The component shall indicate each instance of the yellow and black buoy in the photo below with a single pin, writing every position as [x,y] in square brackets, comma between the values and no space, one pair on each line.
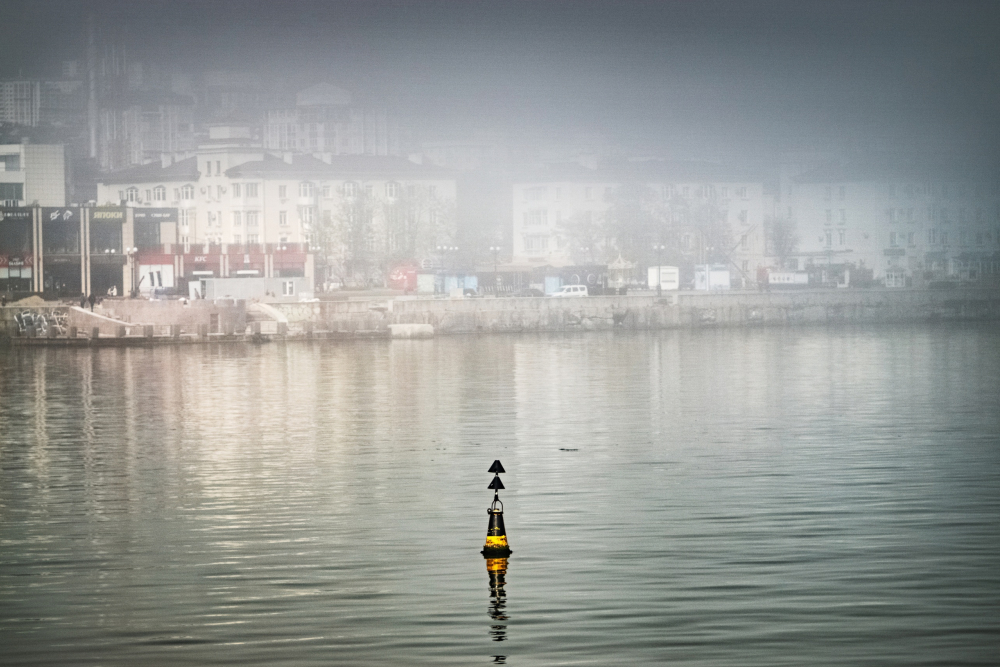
[496,535]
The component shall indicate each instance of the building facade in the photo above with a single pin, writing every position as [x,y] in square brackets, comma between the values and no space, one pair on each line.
[647,212]
[906,226]
[32,174]
[356,213]
[325,119]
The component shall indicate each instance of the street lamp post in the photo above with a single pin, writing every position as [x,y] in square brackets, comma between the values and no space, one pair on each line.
[659,248]
[134,291]
[495,249]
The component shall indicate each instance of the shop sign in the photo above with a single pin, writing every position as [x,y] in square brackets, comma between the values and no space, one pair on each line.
[113,214]
[15,214]
[154,214]
[61,214]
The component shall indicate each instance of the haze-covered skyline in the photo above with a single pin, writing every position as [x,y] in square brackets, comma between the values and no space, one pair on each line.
[905,75]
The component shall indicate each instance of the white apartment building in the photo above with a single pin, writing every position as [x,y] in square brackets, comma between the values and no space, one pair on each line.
[676,195]
[907,225]
[32,174]
[232,192]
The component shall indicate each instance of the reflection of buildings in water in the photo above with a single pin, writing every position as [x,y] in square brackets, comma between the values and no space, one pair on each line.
[497,570]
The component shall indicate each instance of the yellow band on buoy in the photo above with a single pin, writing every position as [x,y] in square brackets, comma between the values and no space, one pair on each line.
[496,541]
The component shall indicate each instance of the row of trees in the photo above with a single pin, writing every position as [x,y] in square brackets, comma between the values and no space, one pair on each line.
[362,238]
[644,228]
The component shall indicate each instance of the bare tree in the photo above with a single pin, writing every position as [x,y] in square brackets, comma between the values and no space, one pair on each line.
[782,239]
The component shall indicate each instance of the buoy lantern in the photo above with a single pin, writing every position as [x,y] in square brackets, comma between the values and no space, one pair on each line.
[496,534]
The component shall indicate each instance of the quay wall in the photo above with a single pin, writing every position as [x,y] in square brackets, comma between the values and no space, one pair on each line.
[471,315]
[673,310]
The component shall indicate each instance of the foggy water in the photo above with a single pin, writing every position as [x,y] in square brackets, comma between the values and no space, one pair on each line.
[779,497]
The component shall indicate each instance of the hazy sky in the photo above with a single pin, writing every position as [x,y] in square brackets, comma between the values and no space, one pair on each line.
[747,72]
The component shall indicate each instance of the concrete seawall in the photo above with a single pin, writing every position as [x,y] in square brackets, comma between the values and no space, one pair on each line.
[675,310]
[457,316]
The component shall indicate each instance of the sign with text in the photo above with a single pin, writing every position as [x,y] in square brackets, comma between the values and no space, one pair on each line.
[154,214]
[116,214]
[15,214]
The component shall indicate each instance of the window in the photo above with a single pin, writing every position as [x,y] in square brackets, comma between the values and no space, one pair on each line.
[283,239]
[187,192]
[536,217]
[251,189]
[893,240]
[843,216]
[208,167]
[686,191]
[744,216]
[218,191]
[369,190]
[283,218]
[909,238]
[236,191]
[326,190]
[842,236]
[253,238]
[392,190]
[132,194]
[307,215]
[932,236]
[159,193]
[253,219]
[237,239]
[944,238]
[149,195]
[742,191]
[306,189]
[218,167]
[186,217]
[237,218]
[536,243]
[283,191]
[829,238]
[350,189]
[288,288]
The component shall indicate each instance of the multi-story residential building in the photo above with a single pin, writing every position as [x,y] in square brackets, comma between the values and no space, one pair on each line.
[357,212]
[908,225]
[325,119]
[645,210]
[143,126]
[32,174]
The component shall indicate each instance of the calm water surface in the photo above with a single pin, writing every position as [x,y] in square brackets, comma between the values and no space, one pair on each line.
[780,497]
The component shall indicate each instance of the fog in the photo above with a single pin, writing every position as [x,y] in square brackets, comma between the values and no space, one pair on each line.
[694,79]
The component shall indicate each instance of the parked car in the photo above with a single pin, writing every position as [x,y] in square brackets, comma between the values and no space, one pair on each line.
[572,290]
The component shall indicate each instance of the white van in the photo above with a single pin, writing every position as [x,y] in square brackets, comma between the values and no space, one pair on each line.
[572,290]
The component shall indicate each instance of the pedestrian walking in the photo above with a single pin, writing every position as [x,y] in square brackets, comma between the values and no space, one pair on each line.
[92,299]
[83,301]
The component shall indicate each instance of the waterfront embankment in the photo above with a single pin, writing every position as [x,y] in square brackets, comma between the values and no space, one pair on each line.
[225,319]
[669,311]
